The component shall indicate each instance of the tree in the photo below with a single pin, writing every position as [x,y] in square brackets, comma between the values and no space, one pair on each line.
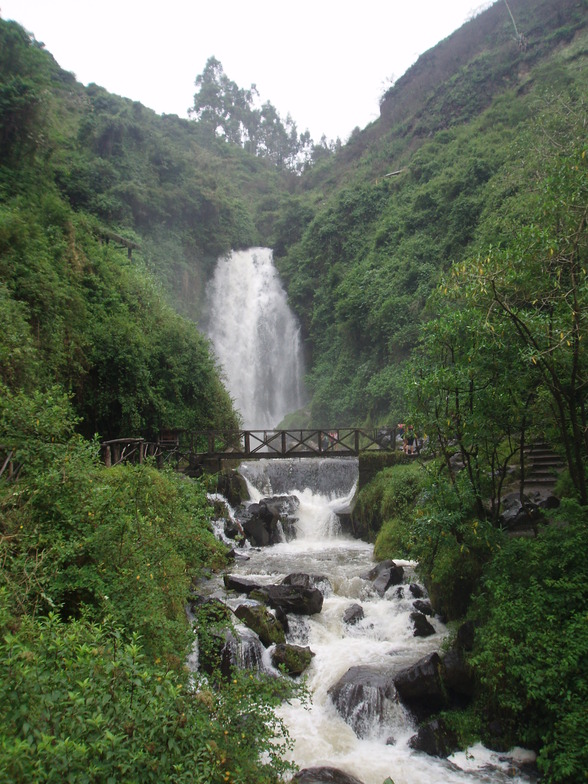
[534,289]
[467,399]
[226,110]
[221,106]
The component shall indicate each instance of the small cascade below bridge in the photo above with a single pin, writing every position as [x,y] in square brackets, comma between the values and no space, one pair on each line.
[361,639]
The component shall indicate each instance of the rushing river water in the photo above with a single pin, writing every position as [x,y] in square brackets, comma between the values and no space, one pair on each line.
[384,636]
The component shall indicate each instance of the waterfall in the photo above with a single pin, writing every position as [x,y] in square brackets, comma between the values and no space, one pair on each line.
[255,337]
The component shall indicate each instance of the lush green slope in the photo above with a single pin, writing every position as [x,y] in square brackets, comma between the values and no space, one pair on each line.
[84,177]
[416,191]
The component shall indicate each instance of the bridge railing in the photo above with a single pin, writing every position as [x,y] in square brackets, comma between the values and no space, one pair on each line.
[187,449]
[291,443]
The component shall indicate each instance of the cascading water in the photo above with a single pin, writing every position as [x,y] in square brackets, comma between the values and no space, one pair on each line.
[361,744]
[256,340]
[255,337]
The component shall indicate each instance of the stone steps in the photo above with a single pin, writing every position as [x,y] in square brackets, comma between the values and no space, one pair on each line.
[543,465]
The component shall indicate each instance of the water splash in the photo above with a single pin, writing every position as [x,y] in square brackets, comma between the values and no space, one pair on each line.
[255,337]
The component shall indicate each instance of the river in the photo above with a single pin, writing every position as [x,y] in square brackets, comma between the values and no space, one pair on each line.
[384,636]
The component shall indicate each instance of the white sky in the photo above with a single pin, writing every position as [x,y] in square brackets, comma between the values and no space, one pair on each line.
[324,62]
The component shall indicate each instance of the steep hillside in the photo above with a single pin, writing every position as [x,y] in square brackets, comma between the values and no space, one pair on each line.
[418,190]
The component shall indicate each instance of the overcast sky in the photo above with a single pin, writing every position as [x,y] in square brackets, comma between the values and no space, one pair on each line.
[324,62]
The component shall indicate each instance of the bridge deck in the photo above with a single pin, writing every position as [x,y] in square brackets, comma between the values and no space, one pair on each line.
[198,447]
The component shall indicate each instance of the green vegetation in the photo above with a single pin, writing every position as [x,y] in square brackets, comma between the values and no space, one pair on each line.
[437,262]
[532,646]
[97,567]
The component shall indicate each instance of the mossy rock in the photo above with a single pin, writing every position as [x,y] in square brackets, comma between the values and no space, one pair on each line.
[293,658]
[261,621]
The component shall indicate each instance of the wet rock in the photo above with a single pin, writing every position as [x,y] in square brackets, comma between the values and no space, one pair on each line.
[260,524]
[308,581]
[232,529]
[423,606]
[232,486]
[435,739]
[416,590]
[421,686]
[383,575]
[263,523]
[324,776]
[294,658]
[363,696]
[458,676]
[353,614]
[267,627]
[239,584]
[422,627]
[291,598]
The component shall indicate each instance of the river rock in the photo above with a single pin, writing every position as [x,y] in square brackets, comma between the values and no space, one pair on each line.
[260,524]
[353,614]
[435,739]
[239,584]
[362,697]
[458,677]
[422,627]
[423,606]
[416,590]
[262,622]
[421,686]
[291,598]
[294,658]
[309,581]
[383,575]
[324,776]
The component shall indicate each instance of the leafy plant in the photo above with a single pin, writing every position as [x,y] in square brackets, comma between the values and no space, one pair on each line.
[532,645]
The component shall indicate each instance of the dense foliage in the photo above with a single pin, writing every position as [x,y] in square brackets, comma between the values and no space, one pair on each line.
[424,189]
[532,646]
[471,188]
[96,568]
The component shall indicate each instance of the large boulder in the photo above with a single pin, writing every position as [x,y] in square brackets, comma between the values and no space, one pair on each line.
[458,677]
[324,775]
[239,584]
[383,575]
[421,686]
[260,524]
[423,606]
[268,521]
[305,580]
[293,658]
[363,697]
[267,627]
[353,614]
[291,598]
[421,626]
[435,739]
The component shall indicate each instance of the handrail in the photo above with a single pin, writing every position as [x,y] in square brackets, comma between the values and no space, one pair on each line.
[252,444]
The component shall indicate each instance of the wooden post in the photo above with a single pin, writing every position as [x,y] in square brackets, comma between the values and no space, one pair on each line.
[107,456]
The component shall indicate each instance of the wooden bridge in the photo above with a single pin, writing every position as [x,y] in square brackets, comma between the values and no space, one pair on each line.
[189,450]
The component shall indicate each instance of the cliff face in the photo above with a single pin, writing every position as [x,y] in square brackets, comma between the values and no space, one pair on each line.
[485,56]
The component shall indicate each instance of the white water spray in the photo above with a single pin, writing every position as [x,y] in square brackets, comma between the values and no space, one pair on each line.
[383,638]
[255,337]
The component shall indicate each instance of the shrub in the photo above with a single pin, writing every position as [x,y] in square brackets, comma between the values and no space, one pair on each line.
[532,647]
[385,503]
[81,703]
